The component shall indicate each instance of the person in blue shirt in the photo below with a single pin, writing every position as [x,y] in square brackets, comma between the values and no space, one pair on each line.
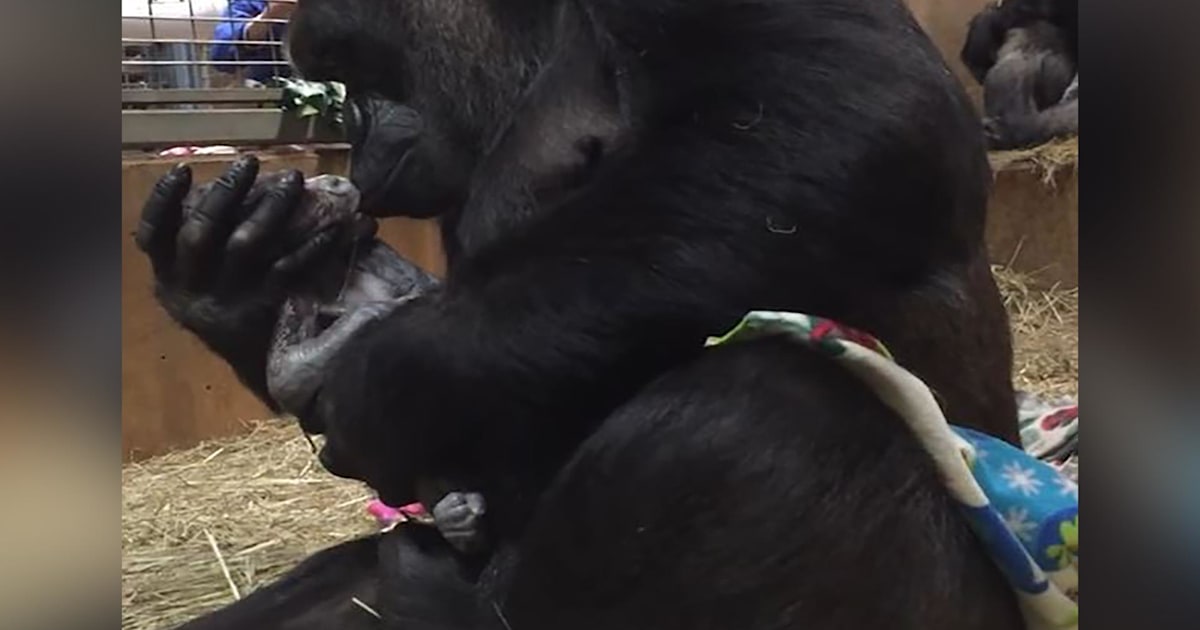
[257,29]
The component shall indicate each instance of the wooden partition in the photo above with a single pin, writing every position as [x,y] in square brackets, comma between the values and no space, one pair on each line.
[174,391]
[945,21]
[1033,222]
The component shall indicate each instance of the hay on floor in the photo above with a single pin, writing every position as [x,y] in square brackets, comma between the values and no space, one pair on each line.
[1045,324]
[252,505]
[267,503]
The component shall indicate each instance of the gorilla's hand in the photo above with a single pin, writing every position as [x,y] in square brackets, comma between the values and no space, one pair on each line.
[301,351]
[993,132]
[220,269]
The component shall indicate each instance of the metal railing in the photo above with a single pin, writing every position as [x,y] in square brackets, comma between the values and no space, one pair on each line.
[188,77]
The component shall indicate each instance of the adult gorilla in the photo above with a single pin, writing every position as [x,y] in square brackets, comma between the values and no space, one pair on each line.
[1025,54]
[617,181]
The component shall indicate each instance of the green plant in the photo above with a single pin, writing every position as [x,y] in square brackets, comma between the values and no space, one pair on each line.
[311,98]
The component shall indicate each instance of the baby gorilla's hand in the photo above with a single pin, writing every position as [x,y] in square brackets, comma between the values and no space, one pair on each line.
[459,517]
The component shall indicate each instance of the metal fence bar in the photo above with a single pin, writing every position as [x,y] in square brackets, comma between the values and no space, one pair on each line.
[168,96]
[199,18]
[174,92]
[149,128]
[171,40]
[189,62]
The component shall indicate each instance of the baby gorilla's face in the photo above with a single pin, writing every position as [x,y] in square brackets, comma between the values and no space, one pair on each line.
[328,202]
[336,297]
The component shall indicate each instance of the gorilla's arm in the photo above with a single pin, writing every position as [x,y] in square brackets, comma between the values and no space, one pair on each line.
[532,340]
[985,35]
[1034,128]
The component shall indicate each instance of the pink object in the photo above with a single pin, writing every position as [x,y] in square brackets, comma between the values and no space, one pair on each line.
[386,515]
[389,516]
[414,510]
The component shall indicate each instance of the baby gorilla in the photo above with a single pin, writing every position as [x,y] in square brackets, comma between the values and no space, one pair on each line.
[339,296]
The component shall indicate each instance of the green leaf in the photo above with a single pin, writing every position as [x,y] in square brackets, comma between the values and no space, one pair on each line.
[307,98]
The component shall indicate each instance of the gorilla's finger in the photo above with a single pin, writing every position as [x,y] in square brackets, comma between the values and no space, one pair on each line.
[204,232]
[161,216]
[313,250]
[249,243]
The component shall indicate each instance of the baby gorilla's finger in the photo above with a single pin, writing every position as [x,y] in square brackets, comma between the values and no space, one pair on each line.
[252,242]
[160,218]
[205,230]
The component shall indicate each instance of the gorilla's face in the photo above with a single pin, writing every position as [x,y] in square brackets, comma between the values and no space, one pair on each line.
[401,165]
[428,82]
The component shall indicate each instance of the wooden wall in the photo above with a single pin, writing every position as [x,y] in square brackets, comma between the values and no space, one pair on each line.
[1033,223]
[174,391]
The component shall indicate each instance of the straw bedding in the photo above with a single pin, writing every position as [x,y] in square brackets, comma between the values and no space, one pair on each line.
[252,506]
[207,524]
[1045,159]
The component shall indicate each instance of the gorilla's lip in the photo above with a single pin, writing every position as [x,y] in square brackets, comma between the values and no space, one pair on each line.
[373,197]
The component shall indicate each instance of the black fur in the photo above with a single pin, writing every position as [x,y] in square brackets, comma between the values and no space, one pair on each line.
[759,487]
[785,495]
[618,180]
[810,156]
